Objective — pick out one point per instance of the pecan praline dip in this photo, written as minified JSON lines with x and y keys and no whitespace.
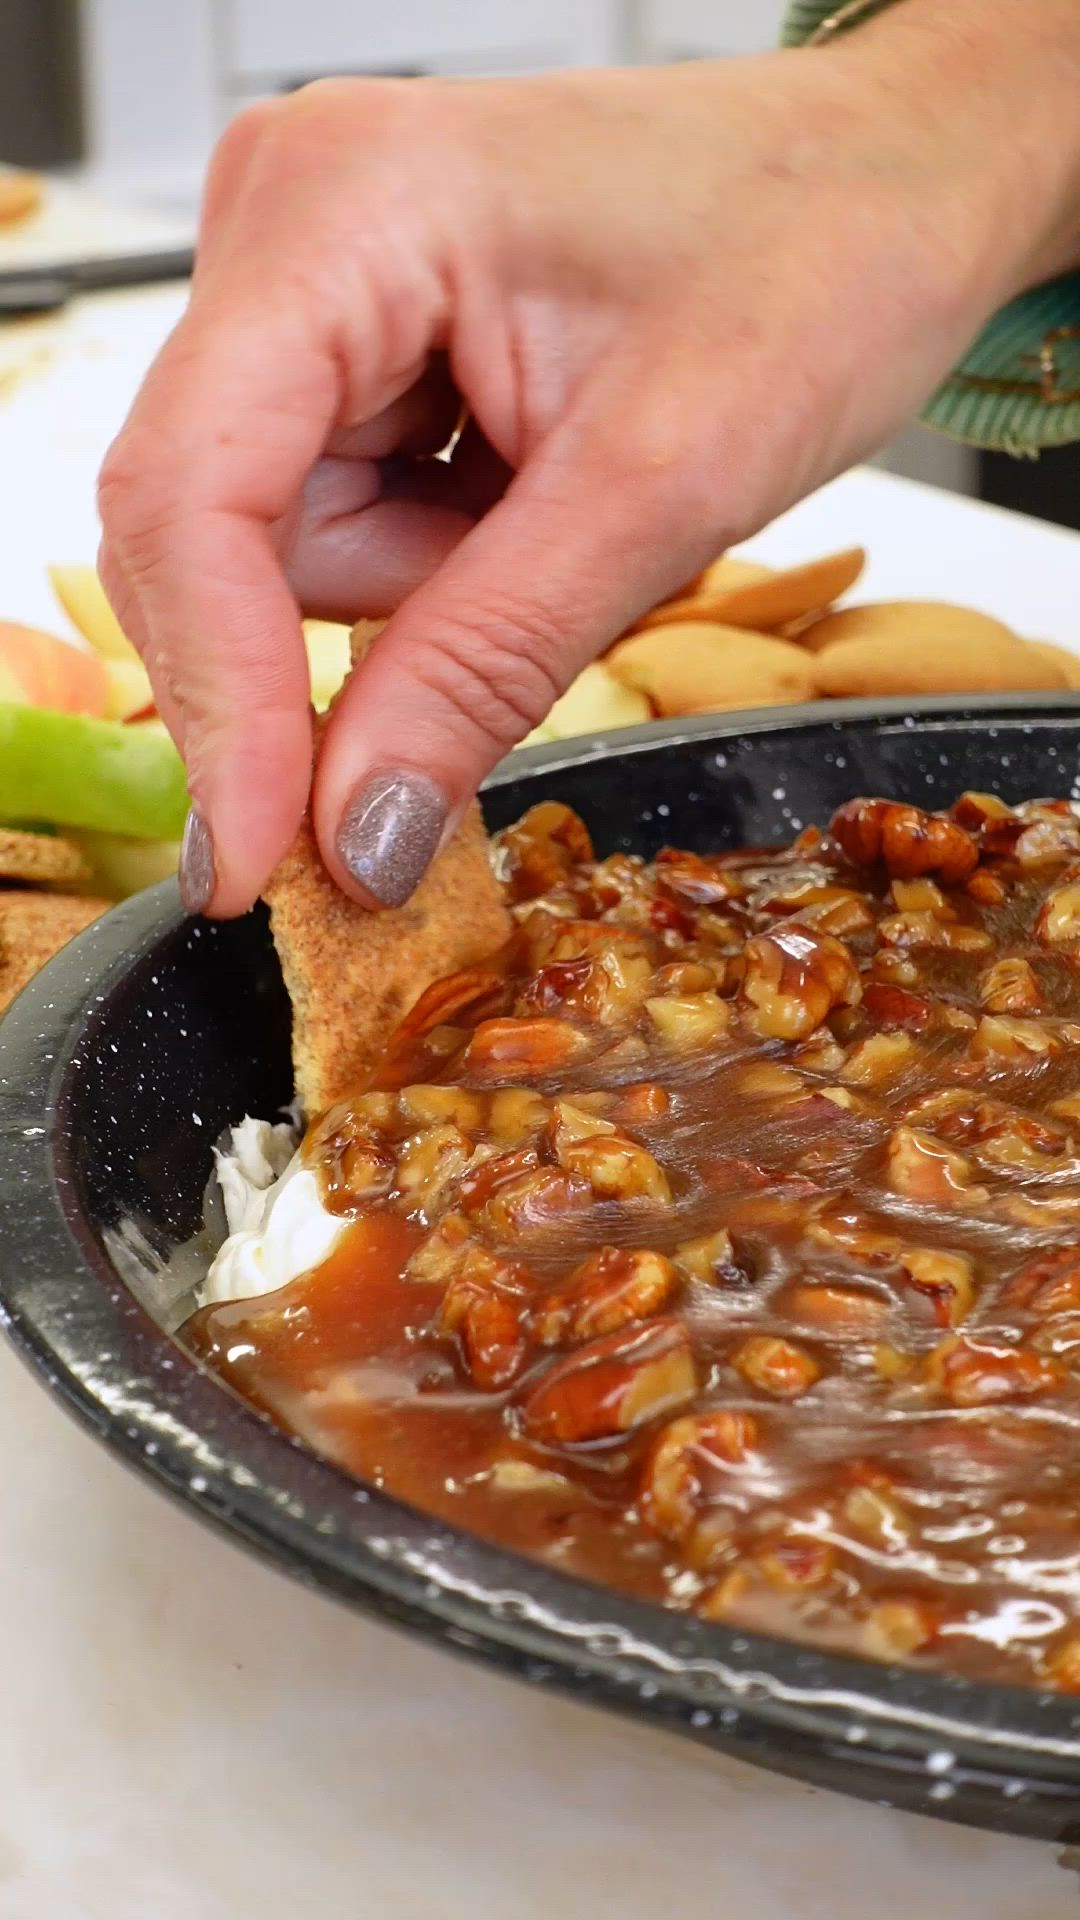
{"x":720,"y":1241}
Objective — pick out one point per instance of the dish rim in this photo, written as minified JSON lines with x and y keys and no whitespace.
{"x":75,"y":1322}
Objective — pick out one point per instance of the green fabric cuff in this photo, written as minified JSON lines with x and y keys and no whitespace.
{"x":1005,"y":392}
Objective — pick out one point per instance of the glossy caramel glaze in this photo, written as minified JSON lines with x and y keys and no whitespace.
{"x":721,"y":1242}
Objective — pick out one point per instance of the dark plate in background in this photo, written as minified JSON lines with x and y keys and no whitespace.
{"x":124,"y":1060}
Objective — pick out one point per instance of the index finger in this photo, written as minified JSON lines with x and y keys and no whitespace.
{"x":230,"y":420}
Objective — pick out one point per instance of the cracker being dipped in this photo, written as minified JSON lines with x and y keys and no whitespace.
{"x":352,"y":974}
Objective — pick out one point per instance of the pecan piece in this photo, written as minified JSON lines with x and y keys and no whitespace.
{"x":947,"y":1279}
{"x":689,"y":1020}
{"x":879,"y":1059}
{"x":776,"y":1366}
{"x":690,"y":1465}
{"x":1058,"y":921}
{"x":431,"y":1162}
{"x":907,"y":841}
{"x":482,"y":1305}
{"x":795,"y":1562}
{"x":616,"y":1167}
{"x":1010,"y":986}
{"x":894,"y":1008}
{"x":975,"y":1374}
{"x":710,"y":1259}
{"x":704,"y":882}
{"x":612,"y":1386}
{"x":1047,"y":1284}
{"x":522,"y":1047}
{"x":612,"y":1288}
{"x":895,"y":1629}
{"x":921,"y":1168}
{"x":794,"y":978}
{"x":538,"y":852}
{"x":1013,"y":1038}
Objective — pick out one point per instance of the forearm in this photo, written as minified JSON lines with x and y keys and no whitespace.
{"x":994,"y":86}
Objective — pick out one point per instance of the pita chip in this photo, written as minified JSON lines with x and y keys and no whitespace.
{"x":352,"y":975}
{"x":33,"y":927}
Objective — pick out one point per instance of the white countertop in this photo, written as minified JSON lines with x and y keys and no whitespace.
{"x":187,"y":1736}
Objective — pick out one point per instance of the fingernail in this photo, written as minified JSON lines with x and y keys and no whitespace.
{"x":389,"y":832}
{"x":196,"y":875}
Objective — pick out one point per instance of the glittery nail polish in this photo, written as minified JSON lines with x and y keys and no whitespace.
{"x":197,"y":877}
{"x":389,"y":831}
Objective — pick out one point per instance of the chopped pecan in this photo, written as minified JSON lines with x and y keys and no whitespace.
{"x":364,"y":1171}
{"x":775,"y":1366}
{"x":616,"y":1168}
{"x":880,"y":1059}
{"x":689,"y":1466}
{"x":833,"y":909}
{"x":535,"y":855}
{"x":907,"y":841}
{"x":609,"y":1290}
{"x":483,"y":1306}
{"x":524,"y":1047}
{"x":1047,"y":1284}
{"x":517,"y":1114}
{"x":509,"y":1196}
{"x":710,"y":1259}
{"x":927,"y":930}
{"x":876,"y":1515}
{"x":1058,"y":922}
{"x":569,"y":1123}
{"x":975,"y":1373}
{"x":637,"y":1106}
{"x":987,"y":888}
{"x":770,"y":1080}
{"x":922,"y":896}
{"x":431,"y":1106}
{"x":895,"y":1629}
{"x":1010,"y":986}
{"x":690,"y":1020}
{"x":1050,"y":833}
{"x":444,"y":1251}
{"x":921,"y":1168}
{"x":795,"y":1562}
{"x":704,"y":882}
{"x":833,"y":1309}
{"x":431,"y":1162}
{"x":612,"y":1386}
{"x":1013,"y":1038}
{"x":893,"y":1007}
{"x":948,"y":1280}
{"x":794,"y":978}
{"x":1061,"y":1668}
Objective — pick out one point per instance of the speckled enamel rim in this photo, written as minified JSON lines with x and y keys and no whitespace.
{"x":1001,"y":1757}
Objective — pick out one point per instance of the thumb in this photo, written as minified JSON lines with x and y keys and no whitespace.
{"x":578,"y":546}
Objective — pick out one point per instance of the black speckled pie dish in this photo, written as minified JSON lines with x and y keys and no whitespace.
{"x":124,"y":1060}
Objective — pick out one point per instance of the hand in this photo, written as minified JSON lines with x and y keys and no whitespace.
{"x":673,"y":300}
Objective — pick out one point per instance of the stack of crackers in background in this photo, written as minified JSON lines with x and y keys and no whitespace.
{"x":41,"y":906}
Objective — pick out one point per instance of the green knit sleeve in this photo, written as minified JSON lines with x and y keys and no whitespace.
{"x":1017,"y":389}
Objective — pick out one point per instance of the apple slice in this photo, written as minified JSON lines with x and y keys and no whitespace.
{"x":328,"y":659}
{"x":38,"y":670}
{"x":130,"y":695}
{"x":83,"y":599}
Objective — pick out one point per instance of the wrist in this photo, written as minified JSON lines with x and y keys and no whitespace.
{"x":982,"y":96}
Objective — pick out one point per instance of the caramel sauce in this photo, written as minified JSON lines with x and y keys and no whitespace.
{"x":764,"y":1297}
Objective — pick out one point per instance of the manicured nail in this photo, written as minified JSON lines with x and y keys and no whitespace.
{"x":196,"y":864}
{"x":389,"y":832}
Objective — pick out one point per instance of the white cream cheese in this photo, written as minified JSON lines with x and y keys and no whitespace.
{"x":278,"y":1226}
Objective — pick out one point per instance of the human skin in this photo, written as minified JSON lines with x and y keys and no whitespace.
{"x":674,"y":300}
